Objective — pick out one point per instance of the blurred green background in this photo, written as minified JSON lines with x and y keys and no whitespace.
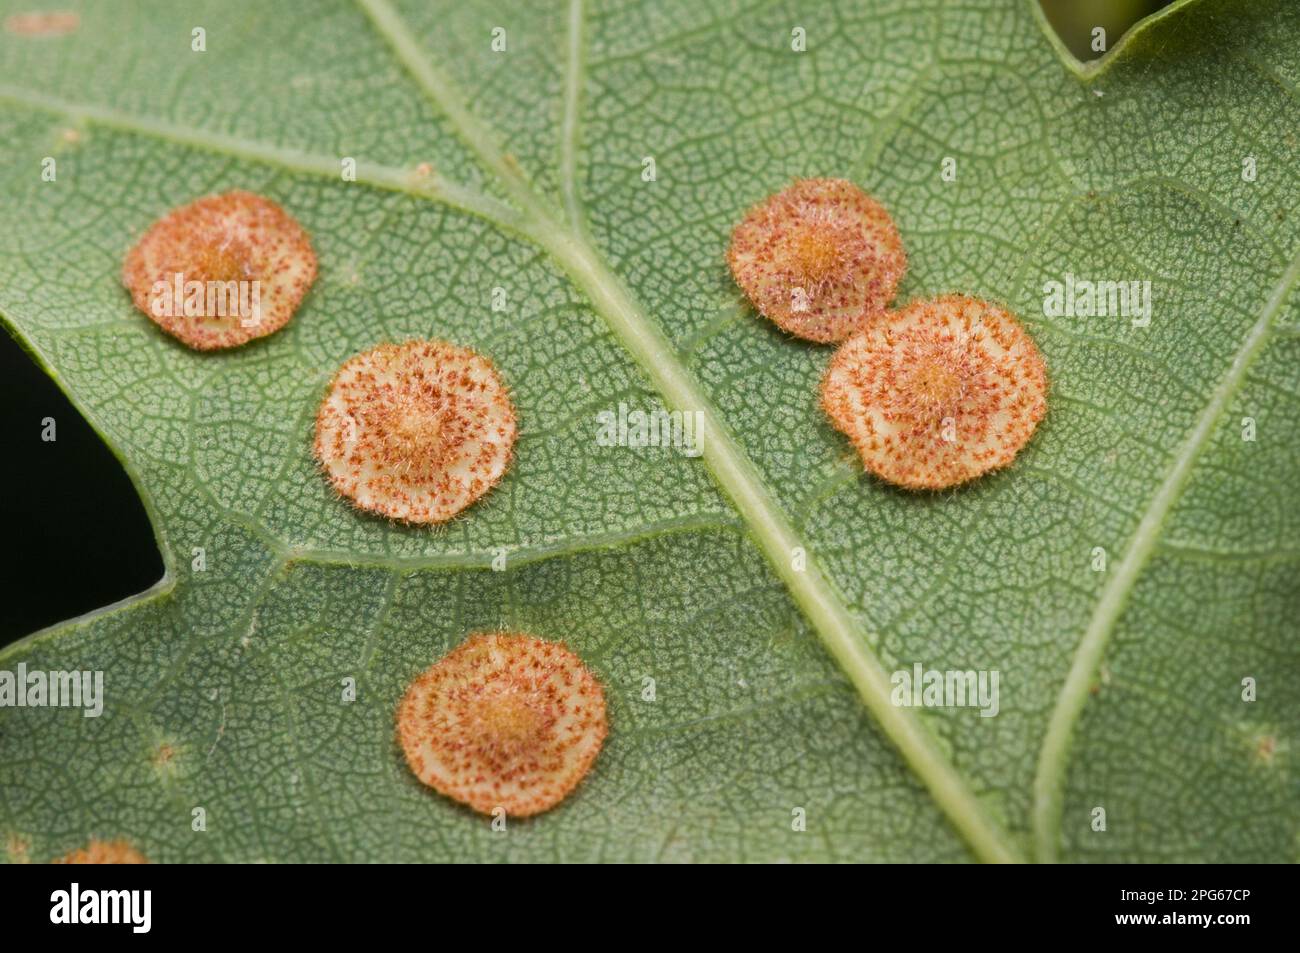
{"x":1075,"y":20}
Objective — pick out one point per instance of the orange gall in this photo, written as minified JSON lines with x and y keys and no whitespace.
{"x":104,"y":852}
{"x":415,"y":431}
{"x":820,"y":258}
{"x":221,"y":271}
{"x":938,"y":393}
{"x":504,"y":721}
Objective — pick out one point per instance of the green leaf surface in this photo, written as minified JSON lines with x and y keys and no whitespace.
{"x":1120,"y":689}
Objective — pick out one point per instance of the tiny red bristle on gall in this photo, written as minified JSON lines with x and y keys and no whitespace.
{"x":248,"y":260}
{"x":104,"y":852}
{"x":820,"y":258}
{"x":938,"y":392}
{"x":505,"y":720}
{"x":415,"y":431}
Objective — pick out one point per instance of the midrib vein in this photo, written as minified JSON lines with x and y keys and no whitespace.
{"x":812,"y":591}
{"x":731,"y":468}
{"x":443,"y":94}
{"x":1049,"y":780}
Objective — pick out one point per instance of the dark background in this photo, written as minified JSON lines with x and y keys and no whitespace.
{"x":77,"y":536}
{"x":75,"y":531}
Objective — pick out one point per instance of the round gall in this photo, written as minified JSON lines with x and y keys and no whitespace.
{"x":221,"y":271}
{"x":504,"y":721}
{"x":415,"y":431}
{"x":821,"y":258}
{"x":938,"y":393}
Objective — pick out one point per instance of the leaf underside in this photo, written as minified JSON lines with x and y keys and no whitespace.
{"x":1119,"y":689}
